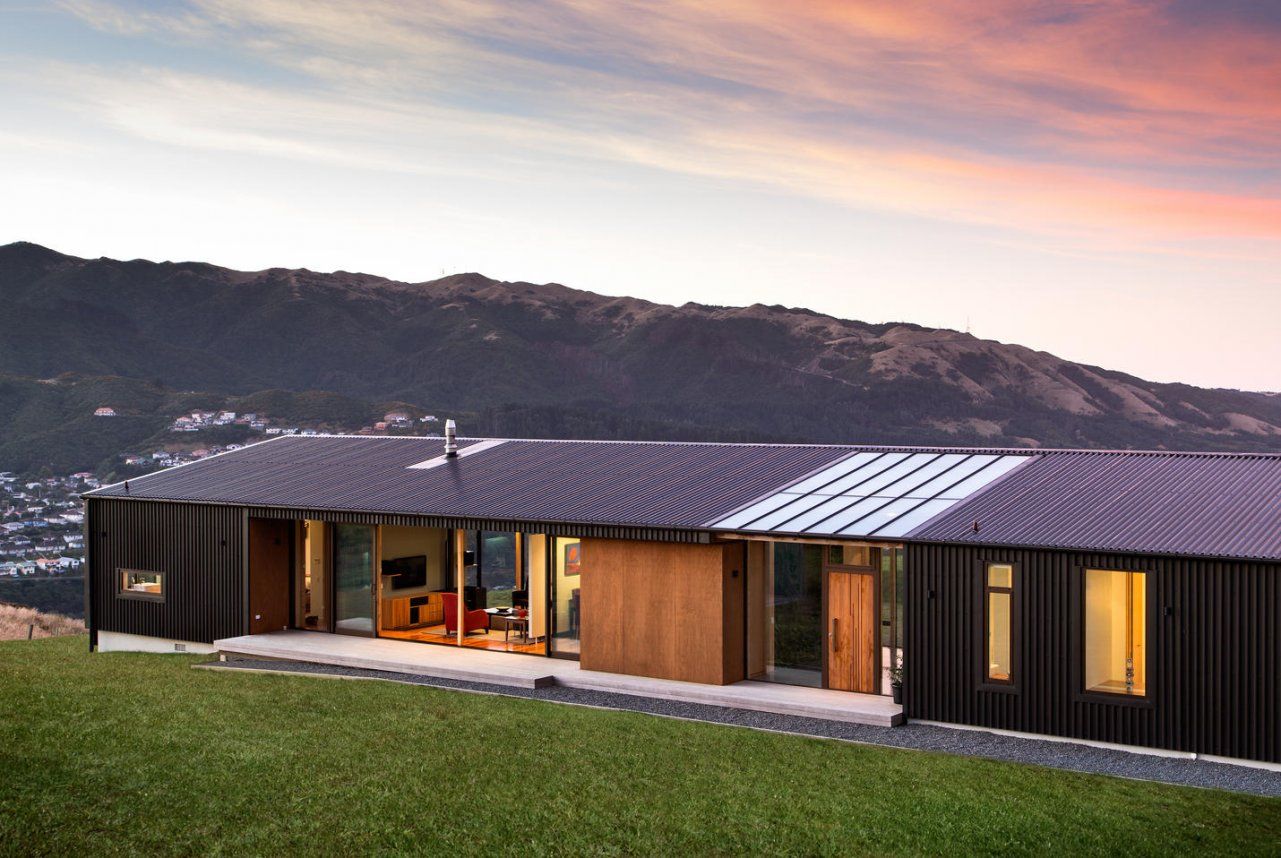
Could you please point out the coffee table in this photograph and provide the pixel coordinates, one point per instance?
(507, 622)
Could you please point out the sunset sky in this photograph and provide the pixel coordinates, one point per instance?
(1101, 180)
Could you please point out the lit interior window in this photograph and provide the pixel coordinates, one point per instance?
(149, 585)
(1115, 625)
(998, 588)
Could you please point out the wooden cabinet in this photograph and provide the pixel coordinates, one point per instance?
(415, 609)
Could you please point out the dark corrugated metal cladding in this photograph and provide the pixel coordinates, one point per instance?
(197, 547)
(1214, 650)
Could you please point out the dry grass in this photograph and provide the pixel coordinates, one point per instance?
(17, 621)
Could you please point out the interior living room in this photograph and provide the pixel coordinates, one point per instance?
(504, 588)
(510, 601)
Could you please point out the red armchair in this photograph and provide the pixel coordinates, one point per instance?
(473, 621)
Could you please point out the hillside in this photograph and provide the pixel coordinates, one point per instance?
(17, 621)
(521, 358)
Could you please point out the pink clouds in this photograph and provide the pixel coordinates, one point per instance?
(1080, 118)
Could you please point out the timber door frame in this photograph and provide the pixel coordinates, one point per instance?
(830, 569)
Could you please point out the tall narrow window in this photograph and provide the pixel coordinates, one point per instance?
(1115, 627)
(998, 597)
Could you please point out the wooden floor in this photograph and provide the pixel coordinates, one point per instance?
(489, 640)
(526, 671)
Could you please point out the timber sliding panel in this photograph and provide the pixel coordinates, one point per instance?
(1213, 650)
(270, 553)
(852, 632)
(662, 610)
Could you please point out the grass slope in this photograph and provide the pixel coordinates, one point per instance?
(138, 753)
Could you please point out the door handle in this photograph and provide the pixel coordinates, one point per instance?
(834, 635)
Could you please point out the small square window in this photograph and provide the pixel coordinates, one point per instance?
(138, 584)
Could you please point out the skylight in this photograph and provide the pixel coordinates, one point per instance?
(871, 494)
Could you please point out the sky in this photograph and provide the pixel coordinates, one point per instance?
(1097, 179)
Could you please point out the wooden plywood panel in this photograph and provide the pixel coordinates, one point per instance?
(758, 592)
(851, 641)
(733, 581)
(657, 609)
(840, 640)
(269, 573)
(865, 628)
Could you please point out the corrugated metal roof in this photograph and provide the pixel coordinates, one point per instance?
(1201, 504)
(872, 494)
(672, 485)
(1198, 504)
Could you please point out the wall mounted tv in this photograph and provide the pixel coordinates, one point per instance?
(406, 572)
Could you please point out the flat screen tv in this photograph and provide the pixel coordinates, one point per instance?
(406, 572)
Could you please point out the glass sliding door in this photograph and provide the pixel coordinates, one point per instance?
(566, 595)
(794, 615)
(311, 587)
(353, 574)
(497, 567)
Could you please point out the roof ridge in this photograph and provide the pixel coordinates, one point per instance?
(925, 448)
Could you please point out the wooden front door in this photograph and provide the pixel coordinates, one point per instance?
(270, 555)
(851, 632)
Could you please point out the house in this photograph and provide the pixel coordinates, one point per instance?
(1125, 598)
(104, 412)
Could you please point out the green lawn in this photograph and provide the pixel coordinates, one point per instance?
(138, 753)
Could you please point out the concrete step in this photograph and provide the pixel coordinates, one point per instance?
(758, 696)
(442, 662)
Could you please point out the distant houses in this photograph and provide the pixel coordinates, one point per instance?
(104, 411)
(197, 420)
(41, 524)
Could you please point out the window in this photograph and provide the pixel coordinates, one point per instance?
(136, 584)
(793, 616)
(1115, 627)
(998, 601)
(849, 555)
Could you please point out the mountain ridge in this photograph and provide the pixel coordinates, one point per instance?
(469, 343)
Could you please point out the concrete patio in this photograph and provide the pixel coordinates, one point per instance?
(527, 671)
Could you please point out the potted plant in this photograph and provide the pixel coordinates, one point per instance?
(896, 679)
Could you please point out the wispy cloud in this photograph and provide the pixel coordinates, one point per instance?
(1082, 118)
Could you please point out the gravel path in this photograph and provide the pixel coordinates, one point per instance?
(923, 737)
